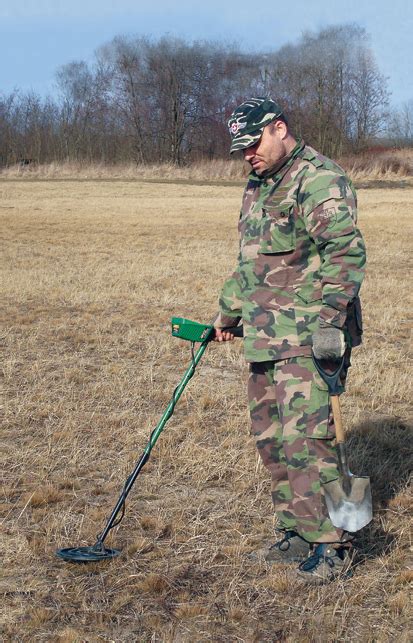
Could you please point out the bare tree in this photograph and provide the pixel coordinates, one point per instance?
(8, 129)
(400, 125)
(76, 85)
(370, 99)
(331, 87)
(124, 62)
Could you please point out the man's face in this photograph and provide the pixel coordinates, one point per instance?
(268, 150)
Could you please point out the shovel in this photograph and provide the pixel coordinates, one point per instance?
(348, 499)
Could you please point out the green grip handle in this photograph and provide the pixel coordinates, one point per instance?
(331, 379)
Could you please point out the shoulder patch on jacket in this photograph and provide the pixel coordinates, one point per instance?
(326, 216)
(310, 155)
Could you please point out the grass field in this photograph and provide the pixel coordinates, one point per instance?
(92, 273)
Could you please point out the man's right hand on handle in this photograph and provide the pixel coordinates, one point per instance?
(223, 336)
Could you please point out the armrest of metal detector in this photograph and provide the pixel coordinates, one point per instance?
(331, 379)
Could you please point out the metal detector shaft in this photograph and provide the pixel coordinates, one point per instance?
(152, 440)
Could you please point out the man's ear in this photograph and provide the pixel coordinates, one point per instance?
(281, 128)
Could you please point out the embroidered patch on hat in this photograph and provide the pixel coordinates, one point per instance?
(235, 127)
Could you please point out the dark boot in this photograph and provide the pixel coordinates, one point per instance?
(326, 563)
(288, 548)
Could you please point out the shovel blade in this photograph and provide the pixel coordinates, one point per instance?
(353, 510)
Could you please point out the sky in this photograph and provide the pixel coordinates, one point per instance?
(37, 36)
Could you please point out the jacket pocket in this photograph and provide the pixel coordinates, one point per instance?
(278, 231)
(307, 305)
(308, 293)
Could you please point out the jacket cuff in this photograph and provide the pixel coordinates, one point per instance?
(222, 320)
(333, 316)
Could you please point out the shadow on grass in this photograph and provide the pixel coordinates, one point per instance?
(382, 449)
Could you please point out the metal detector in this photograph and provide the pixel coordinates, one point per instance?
(183, 329)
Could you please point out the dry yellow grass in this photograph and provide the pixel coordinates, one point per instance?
(92, 273)
(370, 167)
(379, 165)
(225, 169)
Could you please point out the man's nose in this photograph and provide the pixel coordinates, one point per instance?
(249, 152)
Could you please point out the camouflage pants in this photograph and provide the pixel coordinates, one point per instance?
(294, 432)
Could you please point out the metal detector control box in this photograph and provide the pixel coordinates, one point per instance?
(190, 330)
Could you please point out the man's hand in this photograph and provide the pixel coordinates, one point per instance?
(328, 342)
(223, 335)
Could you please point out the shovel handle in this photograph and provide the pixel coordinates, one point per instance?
(335, 405)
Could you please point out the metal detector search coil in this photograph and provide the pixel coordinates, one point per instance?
(87, 554)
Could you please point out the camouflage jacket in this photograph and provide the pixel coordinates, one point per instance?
(301, 258)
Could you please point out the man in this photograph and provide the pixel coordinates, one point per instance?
(295, 289)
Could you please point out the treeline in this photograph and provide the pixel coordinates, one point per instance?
(169, 100)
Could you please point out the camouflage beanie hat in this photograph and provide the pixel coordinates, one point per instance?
(248, 120)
